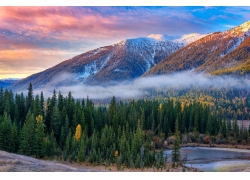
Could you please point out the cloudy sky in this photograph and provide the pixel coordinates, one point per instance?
(33, 39)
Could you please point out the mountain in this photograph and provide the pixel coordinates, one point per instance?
(123, 61)
(215, 53)
(7, 82)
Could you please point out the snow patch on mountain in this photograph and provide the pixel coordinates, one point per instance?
(89, 69)
(162, 37)
(242, 30)
(245, 26)
(189, 38)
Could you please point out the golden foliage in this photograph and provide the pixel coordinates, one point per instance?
(182, 106)
(241, 69)
(78, 132)
(160, 107)
(116, 153)
(39, 119)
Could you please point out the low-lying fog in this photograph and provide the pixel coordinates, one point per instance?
(140, 86)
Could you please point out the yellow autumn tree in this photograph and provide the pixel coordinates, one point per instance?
(182, 106)
(116, 153)
(39, 119)
(78, 132)
(160, 107)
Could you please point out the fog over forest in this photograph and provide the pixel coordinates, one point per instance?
(139, 87)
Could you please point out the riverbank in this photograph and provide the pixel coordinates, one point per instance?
(215, 159)
(247, 147)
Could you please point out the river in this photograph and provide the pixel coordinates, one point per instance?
(214, 159)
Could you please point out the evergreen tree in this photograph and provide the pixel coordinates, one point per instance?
(42, 102)
(39, 137)
(5, 133)
(1, 101)
(14, 140)
(27, 135)
(176, 155)
(55, 122)
(29, 97)
(81, 151)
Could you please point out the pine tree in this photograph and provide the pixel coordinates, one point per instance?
(27, 135)
(62, 138)
(39, 137)
(14, 140)
(1, 101)
(176, 155)
(5, 133)
(81, 151)
(209, 126)
(42, 110)
(29, 97)
(55, 122)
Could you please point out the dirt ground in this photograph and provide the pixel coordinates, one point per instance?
(10, 162)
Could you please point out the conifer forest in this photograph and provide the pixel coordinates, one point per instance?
(131, 133)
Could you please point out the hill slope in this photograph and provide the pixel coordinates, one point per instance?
(7, 82)
(126, 60)
(220, 50)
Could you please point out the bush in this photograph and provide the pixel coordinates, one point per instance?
(233, 142)
(171, 139)
(201, 138)
(185, 138)
(207, 139)
(194, 137)
(244, 142)
(165, 144)
(158, 142)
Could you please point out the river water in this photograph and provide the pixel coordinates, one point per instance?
(214, 159)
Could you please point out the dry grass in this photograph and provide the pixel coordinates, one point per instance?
(10, 162)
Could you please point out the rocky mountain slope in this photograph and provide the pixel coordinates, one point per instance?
(123, 61)
(214, 52)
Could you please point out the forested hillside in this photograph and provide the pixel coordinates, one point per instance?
(130, 133)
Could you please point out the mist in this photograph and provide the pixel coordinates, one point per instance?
(141, 86)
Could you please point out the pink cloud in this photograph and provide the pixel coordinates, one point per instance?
(59, 22)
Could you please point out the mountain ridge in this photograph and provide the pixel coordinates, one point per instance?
(202, 55)
(125, 60)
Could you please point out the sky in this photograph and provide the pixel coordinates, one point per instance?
(35, 38)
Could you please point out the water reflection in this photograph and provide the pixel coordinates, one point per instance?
(214, 159)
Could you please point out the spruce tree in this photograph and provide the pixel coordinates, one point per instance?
(14, 140)
(27, 135)
(29, 97)
(176, 155)
(39, 137)
(5, 133)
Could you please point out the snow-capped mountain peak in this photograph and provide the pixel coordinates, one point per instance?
(162, 37)
(154, 39)
(245, 27)
(189, 38)
(240, 30)
(184, 39)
